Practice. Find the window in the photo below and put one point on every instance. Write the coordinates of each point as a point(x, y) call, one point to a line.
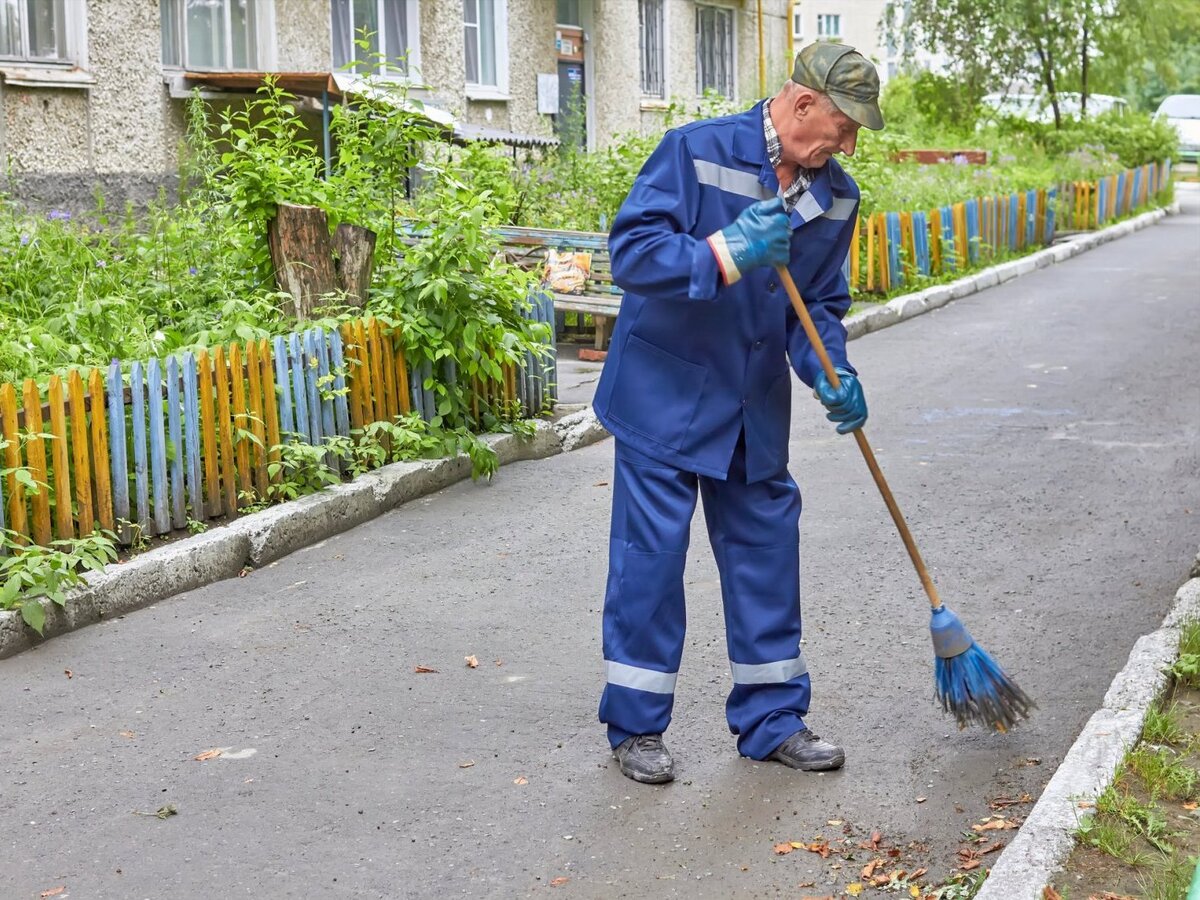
point(213, 34)
point(714, 50)
point(391, 28)
point(568, 13)
point(650, 38)
point(485, 43)
point(829, 26)
point(797, 24)
point(34, 30)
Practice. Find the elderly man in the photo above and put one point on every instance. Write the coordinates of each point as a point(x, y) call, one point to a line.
point(697, 393)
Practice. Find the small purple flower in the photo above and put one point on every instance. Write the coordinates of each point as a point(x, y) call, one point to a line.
point(62, 215)
point(191, 270)
point(960, 159)
point(100, 264)
point(24, 239)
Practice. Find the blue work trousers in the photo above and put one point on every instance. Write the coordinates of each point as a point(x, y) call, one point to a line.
point(754, 530)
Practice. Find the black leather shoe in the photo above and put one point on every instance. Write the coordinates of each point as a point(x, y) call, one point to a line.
point(804, 750)
point(644, 758)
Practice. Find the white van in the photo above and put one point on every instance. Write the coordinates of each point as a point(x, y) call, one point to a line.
point(1183, 112)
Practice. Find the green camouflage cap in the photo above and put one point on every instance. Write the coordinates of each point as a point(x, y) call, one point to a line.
point(846, 76)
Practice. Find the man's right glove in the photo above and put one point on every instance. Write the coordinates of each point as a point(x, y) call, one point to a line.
point(759, 236)
point(846, 404)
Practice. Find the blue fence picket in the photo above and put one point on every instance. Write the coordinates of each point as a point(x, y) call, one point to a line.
point(283, 391)
point(1136, 192)
point(175, 437)
point(299, 391)
point(1013, 223)
point(341, 409)
point(949, 256)
point(1121, 210)
point(328, 425)
point(118, 461)
point(895, 270)
point(921, 241)
point(1030, 217)
point(973, 235)
point(1051, 211)
point(191, 422)
point(312, 396)
point(1102, 201)
point(137, 385)
point(158, 448)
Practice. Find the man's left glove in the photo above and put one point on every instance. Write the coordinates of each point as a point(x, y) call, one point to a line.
point(846, 403)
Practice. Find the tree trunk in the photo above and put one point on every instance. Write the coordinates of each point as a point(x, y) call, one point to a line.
point(302, 255)
point(355, 248)
point(1083, 73)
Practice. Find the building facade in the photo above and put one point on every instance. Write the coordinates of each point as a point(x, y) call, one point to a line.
point(93, 91)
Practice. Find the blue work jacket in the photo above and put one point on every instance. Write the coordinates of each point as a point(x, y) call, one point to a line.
point(692, 361)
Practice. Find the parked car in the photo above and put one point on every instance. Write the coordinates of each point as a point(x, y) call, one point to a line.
point(1183, 112)
point(1036, 107)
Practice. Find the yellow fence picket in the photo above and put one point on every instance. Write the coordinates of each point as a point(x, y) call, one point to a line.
point(258, 419)
point(374, 354)
point(35, 455)
point(366, 391)
point(101, 463)
point(240, 420)
point(208, 424)
point(79, 454)
point(14, 491)
point(267, 362)
point(225, 432)
point(60, 456)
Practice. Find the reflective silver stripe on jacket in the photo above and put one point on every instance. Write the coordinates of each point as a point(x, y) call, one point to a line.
point(649, 680)
point(734, 181)
point(769, 673)
point(842, 209)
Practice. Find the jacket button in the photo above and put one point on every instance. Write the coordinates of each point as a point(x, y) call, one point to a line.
point(772, 286)
point(758, 345)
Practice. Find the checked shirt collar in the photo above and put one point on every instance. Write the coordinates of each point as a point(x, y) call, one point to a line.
point(803, 178)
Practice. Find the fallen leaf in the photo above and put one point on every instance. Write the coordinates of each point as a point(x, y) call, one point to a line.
point(520, 779)
point(969, 865)
point(600, 484)
point(467, 764)
point(894, 852)
point(798, 845)
point(499, 662)
point(876, 839)
point(1086, 804)
point(880, 880)
point(922, 799)
point(1049, 893)
point(69, 674)
point(819, 847)
point(125, 734)
point(54, 892)
point(996, 824)
point(783, 849)
point(424, 670)
point(472, 662)
point(999, 845)
point(559, 881)
point(1190, 805)
point(207, 754)
point(869, 869)
point(917, 873)
point(1031, 761)
point(914, 892)
point(834, 822)
point(854, 889)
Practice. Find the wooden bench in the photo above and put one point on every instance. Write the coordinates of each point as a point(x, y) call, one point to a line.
point(600, 298)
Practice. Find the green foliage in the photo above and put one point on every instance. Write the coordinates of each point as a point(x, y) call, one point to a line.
point(1162, 725)
point(300, 469)
point(1135, 139)
point(30, 572)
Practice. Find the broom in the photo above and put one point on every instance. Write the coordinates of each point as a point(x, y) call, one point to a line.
point(967, 681)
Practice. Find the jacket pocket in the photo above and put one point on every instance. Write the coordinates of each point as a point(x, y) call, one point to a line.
point(656, 393)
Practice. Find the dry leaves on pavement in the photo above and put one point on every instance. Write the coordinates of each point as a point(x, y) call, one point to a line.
point(472, 662)
point(207, 754)
point(53, 892)
point(520, 779)
point(559, 881)
point(424, 670)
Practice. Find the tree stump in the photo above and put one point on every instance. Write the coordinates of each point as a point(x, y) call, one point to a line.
point(355, 248)
point(302, 255)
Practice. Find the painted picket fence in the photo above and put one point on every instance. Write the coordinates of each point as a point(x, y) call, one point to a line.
point(889, 248)
point(142, 448)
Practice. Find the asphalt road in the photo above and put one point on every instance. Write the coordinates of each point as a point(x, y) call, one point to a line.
point(1042, 438)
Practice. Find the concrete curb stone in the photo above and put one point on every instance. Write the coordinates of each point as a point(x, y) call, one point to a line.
point(275, 532)
point(1046, 839)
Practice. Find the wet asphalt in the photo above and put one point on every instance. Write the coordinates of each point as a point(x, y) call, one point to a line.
point(1043, 439)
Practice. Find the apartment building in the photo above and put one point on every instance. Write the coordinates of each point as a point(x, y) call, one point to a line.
point(92, 92)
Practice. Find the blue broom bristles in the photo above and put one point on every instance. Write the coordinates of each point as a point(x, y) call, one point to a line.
point(969, 683)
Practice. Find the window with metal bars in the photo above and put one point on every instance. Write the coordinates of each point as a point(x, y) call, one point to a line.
point(653, 51)
point(714, 50)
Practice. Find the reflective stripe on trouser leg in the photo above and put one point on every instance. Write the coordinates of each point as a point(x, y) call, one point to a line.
point(754, 529)
point(644, 615)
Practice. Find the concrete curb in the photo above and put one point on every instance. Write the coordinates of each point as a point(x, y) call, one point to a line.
point(906, 306)
point(263, 537)
point(1046, 838)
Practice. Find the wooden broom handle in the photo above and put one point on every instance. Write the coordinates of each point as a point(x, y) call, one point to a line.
point(868, 454)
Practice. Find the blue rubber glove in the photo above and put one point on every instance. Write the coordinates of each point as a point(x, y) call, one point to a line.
point(847, 404)
point(760, 236)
